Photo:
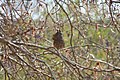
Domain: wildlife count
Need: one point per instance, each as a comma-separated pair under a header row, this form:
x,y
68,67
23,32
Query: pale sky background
x,y
38,10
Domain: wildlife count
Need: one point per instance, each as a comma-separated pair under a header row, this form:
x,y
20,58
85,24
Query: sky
x,y
36,10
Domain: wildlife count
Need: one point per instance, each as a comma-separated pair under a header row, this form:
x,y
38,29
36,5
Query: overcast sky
x,y
36,11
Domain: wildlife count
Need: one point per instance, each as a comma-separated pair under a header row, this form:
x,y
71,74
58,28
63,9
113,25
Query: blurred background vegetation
x,y
90,30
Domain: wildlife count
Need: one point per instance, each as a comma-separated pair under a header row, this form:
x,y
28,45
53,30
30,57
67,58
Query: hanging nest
x,y
58,40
